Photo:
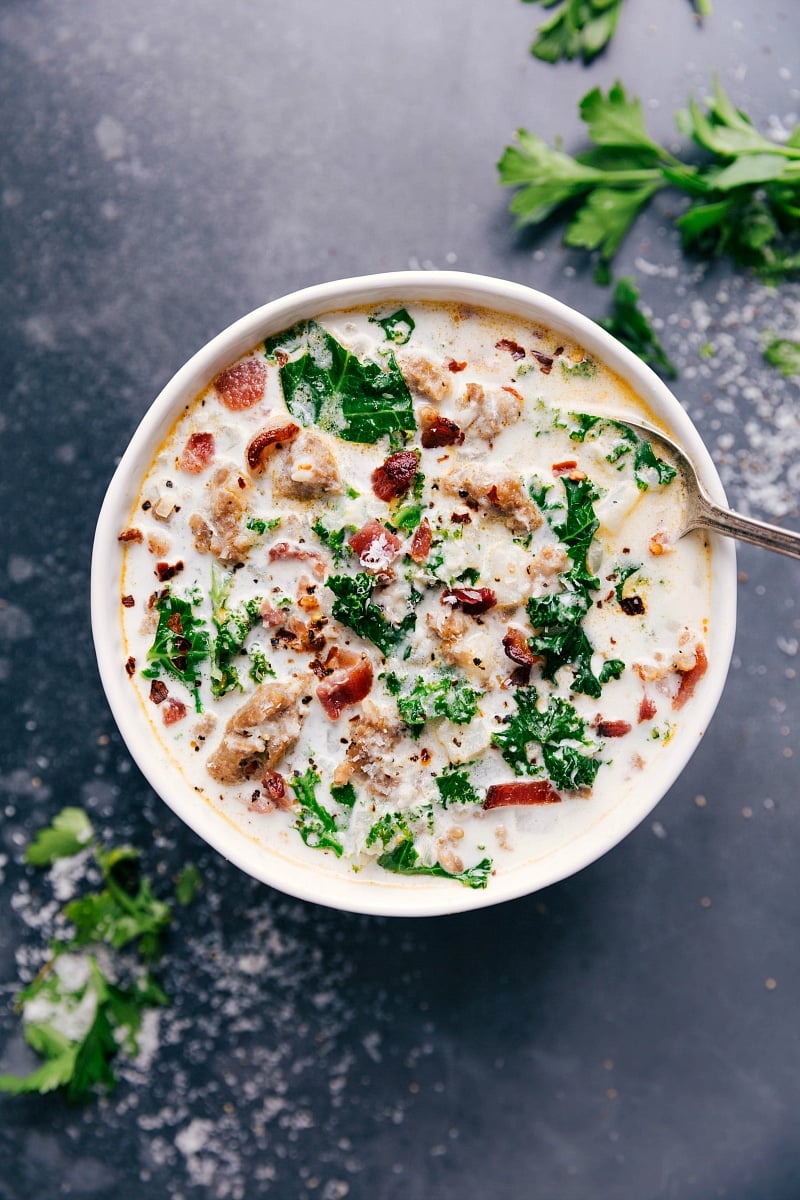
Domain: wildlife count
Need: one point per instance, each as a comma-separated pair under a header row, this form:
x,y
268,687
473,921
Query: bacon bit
x,y
473,601
347,684
517,649
242,385
130,535
319,668
158,691
690,678
647,710
274,785
461,518
438,430
455,367
164,571
130,666
562,468
632,606
528,791
611,729
396,476
425,756
512,391
282,550
420,546
515,350
174,710
296,635
197,454
175,623
375,545
128,601
658,545
545,361
258,446
519,677
270,616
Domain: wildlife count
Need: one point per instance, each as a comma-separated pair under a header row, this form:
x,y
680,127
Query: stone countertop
x,y
629,1033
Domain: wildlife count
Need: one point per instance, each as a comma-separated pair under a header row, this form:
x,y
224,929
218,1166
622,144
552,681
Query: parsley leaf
x,y
629,324
579,28
70,832
784,354
568,755
354,607
328,386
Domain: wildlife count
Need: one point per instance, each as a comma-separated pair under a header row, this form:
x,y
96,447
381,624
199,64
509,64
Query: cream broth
x,y
414,651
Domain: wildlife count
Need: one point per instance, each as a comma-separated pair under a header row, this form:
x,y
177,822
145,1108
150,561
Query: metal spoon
x,y
703,512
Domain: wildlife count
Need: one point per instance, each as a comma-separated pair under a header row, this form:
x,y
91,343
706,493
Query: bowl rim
x,y
402,897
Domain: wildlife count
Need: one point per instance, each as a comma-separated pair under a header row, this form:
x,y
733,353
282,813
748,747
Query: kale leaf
x,y
428,699
316,826
568,756
180,644
354,607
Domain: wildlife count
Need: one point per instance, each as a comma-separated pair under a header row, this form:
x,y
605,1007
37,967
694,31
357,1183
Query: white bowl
x,y
581,844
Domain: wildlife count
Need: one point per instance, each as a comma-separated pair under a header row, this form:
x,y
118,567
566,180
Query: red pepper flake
x,y
420,546
647,710
128,601
472,601
242,385
197,454
455,366
441,431
131,535
396,475
611,729
174,710
265,440
515,350
130,666
158,691
165,571
527,791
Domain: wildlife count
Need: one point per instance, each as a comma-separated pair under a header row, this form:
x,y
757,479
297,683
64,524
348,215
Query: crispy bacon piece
x,y
455,366
610,729
647,710
158,691
128,601
197,454
420,546
545,361
274,785
563,468
348,683
242,385
130,666
438,430
165,571
375,545
130,535
282,550
396,475
259,445
173,710
271,617
473,601
523,791
514,349
690,678
517,649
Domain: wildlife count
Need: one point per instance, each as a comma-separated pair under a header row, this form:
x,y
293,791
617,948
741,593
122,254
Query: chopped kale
x,y
260,667
328,386
455,787
428,700
398,327
567,754
316,826
623,574
644,457
180,644
585,369
232,628
335,539
409,516
404,859
354,607
344,794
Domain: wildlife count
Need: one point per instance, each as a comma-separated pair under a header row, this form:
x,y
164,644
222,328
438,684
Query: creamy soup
x,y
401,588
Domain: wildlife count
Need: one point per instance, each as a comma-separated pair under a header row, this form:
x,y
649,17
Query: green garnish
x,y
180,644
745,199
628,323
260,667
404,859
623,574
326,385
585,369
579,29
232,628
398,327
567,754
427,700
644,457
188,884
354,607
316,826
344,794
335,539
124,913
409,516
784,354
455,787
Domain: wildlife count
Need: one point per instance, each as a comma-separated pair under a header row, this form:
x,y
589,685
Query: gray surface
x,y
630,1033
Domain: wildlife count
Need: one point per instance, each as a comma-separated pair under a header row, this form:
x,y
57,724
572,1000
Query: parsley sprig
x,y
583,28
89,1007
744,198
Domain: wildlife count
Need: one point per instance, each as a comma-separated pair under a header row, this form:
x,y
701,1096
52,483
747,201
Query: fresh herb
x,y
404,859
188,884
784,354
744,200
328,386
427,700
568,756
408,517
180,644
344,794
455,787
354,607
260,525
232,628
335,539
579,29
585,369
586,423
103,1016
260,667
398,327
316,826
645,461
629,324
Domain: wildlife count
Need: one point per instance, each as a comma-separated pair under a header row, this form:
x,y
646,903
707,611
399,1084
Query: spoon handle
x,y
747,529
